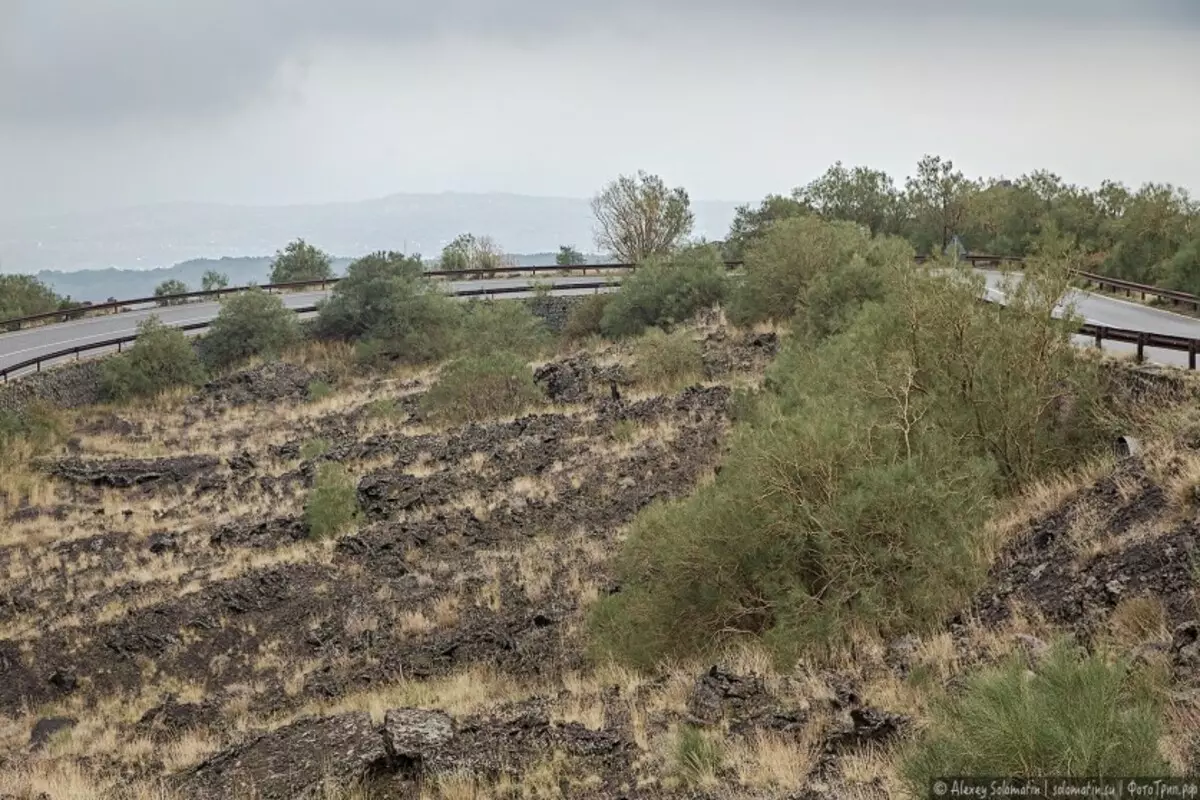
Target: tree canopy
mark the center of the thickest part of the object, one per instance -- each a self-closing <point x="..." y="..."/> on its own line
<point x="1145" y="234"/>
<point x="638" y="217"/>
<point x="301" y="261"/>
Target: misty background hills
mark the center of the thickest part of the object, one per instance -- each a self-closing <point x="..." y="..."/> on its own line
<point x="125" y="252"/>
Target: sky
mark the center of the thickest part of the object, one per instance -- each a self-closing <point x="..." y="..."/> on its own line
<point x="107" y="103"/>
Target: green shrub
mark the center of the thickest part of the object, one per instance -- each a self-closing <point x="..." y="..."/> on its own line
<point x="383" y="408"/>
<point x="834" y="296"/>
<point x="39" y="423"/>
<point x="856" y="485"/>
<point x="253" y="323"/>
<point x="1076" y="716"/>
<point x="300" y="261"/>
<point x="494" y="325"/>
<point x="585" y="317"/>
<point x="25" y="295"/>
<point x="386" y="300"/>
<point x="662" y="293"/>
<point x="482" y="387"/>
<point x="318" y="391"/>
<point x="624" y="431"/>
<point x="162" y="358"/>
<point x="332" y="504"/>
<point x="667" y="361"/>
<point x="314" y="448"/>
<point x="781" y="264"/>
<point x="698" y="755"/>
<point x="171" y="287"/>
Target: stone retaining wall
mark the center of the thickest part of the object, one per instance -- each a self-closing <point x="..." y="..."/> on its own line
<point x="67" y="386"/>
<point x="554" y="311"/>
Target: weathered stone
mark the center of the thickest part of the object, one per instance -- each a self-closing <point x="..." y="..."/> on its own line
<point x="291" y="763"/>
<point x="412" y="733"/>
<point x="127" y="472"/>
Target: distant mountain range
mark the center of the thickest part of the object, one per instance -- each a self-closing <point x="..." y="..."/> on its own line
<point x="162" y="235"/>
<point x="97" y="285"/>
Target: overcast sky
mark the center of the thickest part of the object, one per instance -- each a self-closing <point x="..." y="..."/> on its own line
<point x="112" y="102"/>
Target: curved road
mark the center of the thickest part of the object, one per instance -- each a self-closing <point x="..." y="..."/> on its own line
<point x="1097" y="309"/>
<point x="1112" y="312"/>
<point x="29" y="343"/>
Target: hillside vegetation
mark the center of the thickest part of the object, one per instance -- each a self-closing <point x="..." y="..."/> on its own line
<point x="825" y="525"/>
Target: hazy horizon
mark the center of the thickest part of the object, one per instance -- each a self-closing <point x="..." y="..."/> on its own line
<point x="241" y="102"/>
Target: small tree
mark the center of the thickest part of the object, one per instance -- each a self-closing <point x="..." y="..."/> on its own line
<point x="480" y="387"/>
<point x="162" y="358"/>
<point x="639" y="217"/>
<point x="214" y="280"/>
<point x="494" y="325"/>
<point x="568" y="257"/>
<point x="300" y="261"/>
<point x="250" y="324"/>
<point x="332" y="504"/>
<point x="475" y="253"/>
<point x="386" y="301"/>
<point x="666" y="292"/>
<point x="170" y="287"/>
<point x="25" y="295"/>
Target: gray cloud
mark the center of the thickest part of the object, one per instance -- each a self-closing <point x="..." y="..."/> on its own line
<point x="69" y="62"/>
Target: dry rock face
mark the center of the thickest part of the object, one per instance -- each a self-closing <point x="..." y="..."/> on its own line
<point x="293" y="763"/>
<point x="273" y="382"/>
<point x="126" y="473"/>
<point x="188" y="589"/>
<point x="1045" y="568"/>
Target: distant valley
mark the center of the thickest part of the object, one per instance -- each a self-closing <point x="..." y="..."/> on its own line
<point x="180" y="240"/>
<point x="97" y="285"/>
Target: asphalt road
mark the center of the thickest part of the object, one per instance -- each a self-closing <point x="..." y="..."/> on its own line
<point x="1115" y="313"/>
<point x="1098" y="309"/>
<point x="23" y="345"/>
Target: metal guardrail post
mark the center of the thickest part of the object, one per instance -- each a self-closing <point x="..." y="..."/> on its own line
<point x="1100" y="336"/>
<point x="1141" y="347"/>
<point x="1192" y="354"/>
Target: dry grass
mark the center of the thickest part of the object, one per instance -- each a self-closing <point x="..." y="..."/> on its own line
<point x="1138" y="621"/>
<point x="774" y="761"/>
<point x="1038" y="500"/>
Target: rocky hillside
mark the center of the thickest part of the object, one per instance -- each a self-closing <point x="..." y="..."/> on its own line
<point x="168" y="628"/>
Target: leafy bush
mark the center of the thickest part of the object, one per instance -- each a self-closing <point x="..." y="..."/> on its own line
<point x="25" y="295"/>
<point x="585" y="318"/>
<point x="667" y="361"/>
<point x="171" y="287"/>
<point x="332" y="504"/>
<point x="664" y="292"/>
<point x="314" y="448"/>
<point x="300" y="261"/>
<point x="318" y="391"/>
<point x="39" y="424"/>
<point x="781" y="264"/>
<point x="1076" y="716"/>
<point x="162" y="358"/>
<point x="482" y="387"/>
<point x="386" y="300"/>
<point x="834" y="296"/>
<point x="384" y="408"/>
<point x="698" y="755"/>
<point x="253" y="323"/>
<point x="853" y="492"/>
<point x="1182" y="271"/>
<point x="471" y="252"/>
<point x="491" y="326"/>
<point x="213" y="280"/>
